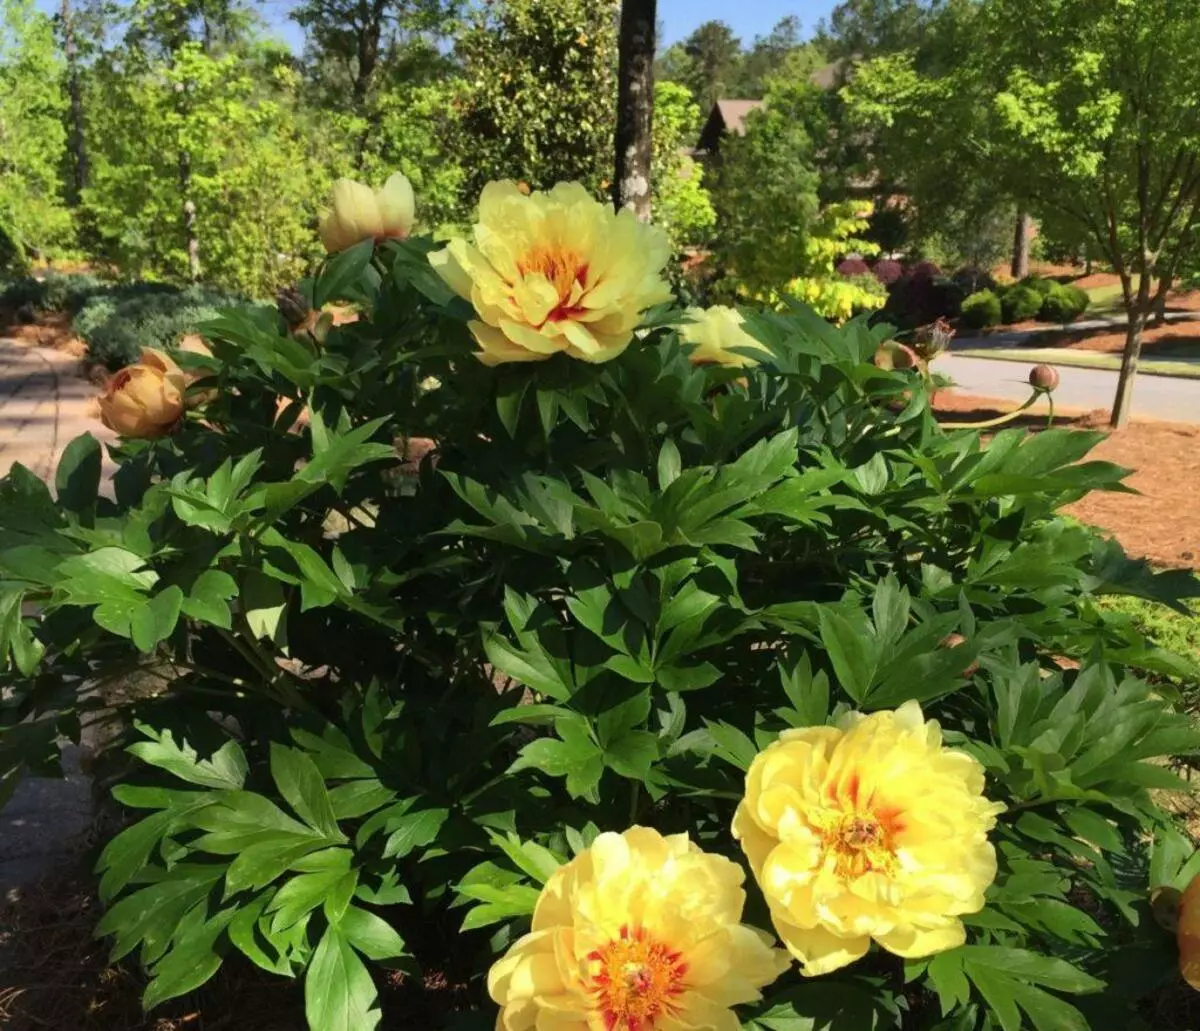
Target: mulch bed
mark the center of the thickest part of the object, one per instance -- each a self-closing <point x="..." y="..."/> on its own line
<point x="1159" y="523"/>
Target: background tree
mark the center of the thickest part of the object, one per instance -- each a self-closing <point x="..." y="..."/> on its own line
<point x="682" y="205"/>
<point x="708" y="63"/>
<point x="1097" y="119"/>
<point x="867" y="28"/>
<point x="541" y="100"/>
<point x="33" y="216"/>
<point x="635" y="107"/>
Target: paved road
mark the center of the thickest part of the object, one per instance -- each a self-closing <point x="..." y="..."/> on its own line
<point x="1019" y="337"/>
<point x="44" y="405"/>
<point x="1154" y="397"/>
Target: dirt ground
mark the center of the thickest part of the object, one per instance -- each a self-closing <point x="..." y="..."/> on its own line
<point x="1158" y="523"/>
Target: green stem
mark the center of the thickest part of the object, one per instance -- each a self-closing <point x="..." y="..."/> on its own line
<point x="989" y="423"/>
<point x="1050" y="416"/>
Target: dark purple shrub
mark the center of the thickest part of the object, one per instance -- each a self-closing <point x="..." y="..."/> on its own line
<point x="888" y="271"/>
<point x="925" y="270"/>
<point x="851" y="267"/>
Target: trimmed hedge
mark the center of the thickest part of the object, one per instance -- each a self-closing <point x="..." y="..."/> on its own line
<point x="1020" y="302"/>
<point x="982" y="309"/>
<point x="1064" y="304"/>
<point x="117" y="324"/>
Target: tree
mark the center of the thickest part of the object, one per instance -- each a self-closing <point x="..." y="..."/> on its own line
<point x="868" y="28"/>
<point x="254" y="188"/>
<point x="713" y="56"/>
<point x="635" y="108"/>
<point x="33" y="217"/>
<point x="768" y="57"/>
<point x="682" y="205"/>
<point x="541" y="92"/>
<point x="1097" y="119"/>
<point x="357" y="36"/>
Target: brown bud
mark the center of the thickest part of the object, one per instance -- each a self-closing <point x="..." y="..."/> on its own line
<point x="895" y="355"/>
<point x="293" y="306"/>
<point x="145" y="399"/>
<point x="954" y="641"/>
<point x="1044" y="378"/>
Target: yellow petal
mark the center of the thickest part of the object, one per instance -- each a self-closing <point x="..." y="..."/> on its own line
<point x="397" y="206"/>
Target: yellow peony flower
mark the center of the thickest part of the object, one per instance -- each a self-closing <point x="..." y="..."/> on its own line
<point x="555" y="272"/>
<point x="719" y="338"/>
<point x="867" y="830"/>
<point x="1188" y="933"/>
<point x="144" y="399"/>
<point x="638" y="933"/>
<point x="360" y="213"/>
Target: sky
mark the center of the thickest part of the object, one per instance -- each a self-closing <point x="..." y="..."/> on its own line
<point x="747" y="18"/>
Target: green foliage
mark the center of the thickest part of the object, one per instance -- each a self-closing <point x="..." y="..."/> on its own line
<point x="982" y="309"/>
<point x="392" y="700"/>
<point x="255" y="190"/>
<point x="118" y="321"/>
<point x="1063" y="303"/>
<point x="1021" y="302"/>
<point x="681" y="203"/>
<point x="541" y="106"/>
<point x="33" y="217"/>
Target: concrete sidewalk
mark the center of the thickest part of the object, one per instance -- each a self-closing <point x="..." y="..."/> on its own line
<point x="44" y="405"/>
<point x="1154" y="397"/>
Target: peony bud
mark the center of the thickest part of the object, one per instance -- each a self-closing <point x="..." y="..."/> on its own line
<point x="293" y="306"/>
<point x="144" y="400"/>
<point x="956" y="640"/>
<point x="895" y="355"/>
<point x="360" y="213"/>
<point x="1044" y="378"/>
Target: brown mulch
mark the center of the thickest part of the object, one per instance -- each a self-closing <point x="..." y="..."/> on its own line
<point x="1158" y="523"/>
<point x="51" y="329"/>
<point x="55" y="974"/>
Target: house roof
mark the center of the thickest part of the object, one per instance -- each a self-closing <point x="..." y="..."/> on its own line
<point x="733" y="113"/>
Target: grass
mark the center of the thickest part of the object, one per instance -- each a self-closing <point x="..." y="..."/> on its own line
<point x="1106" y="300"/>
<point x="1083" y="360"/>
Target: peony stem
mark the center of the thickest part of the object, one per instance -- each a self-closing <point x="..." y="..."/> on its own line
<point x="998" y="421"/>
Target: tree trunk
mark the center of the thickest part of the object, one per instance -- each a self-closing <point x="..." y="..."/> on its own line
<point x="79" y="171"/>
<point x="1160" y="303"/>
<point x="1020" y="254"/>
<point x="189" y="216"/>
<point x="1123" y="405"/>
<point x="1137" y="306"/>
<point x="635" y="108"/>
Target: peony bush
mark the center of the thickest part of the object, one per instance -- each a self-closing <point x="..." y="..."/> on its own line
<point x="595" y="663"/>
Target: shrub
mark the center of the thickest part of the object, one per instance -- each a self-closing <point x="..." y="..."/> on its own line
<point x="1039" y="284"/>
<point x="25" y="292"/>
<point x="117" y="323"/>
<point x="1064" y="304"/>
<point x="1020" y="302"/>
<point x="925" y="270"/>
<point x="971" y="280"/>
<point x="919" y="298"/>
<point x="68" y="292"/>
<point x="887" y="271"/>
<point x="392" y="699"/>
<point x="982" y="309"/>
<point x="851" y="268"/>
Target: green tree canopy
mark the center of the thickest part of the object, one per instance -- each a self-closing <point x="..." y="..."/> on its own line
<point x="33" y="216"/>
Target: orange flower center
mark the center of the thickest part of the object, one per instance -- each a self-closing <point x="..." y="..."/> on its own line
<point x="637" y="980"/>
<point x="565" y="271"/>
<point x="860" y="842"/>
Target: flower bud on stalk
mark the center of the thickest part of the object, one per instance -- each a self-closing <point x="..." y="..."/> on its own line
<point x="1044" y="379"/>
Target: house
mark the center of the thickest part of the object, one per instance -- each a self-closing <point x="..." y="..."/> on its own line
<point x="729" y="116"/>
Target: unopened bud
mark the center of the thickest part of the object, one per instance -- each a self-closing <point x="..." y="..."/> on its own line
<point x="956" y="640"/>
<point x="1043" y="378"/>
<point x="895" y="355"/>
<point x="293" y="306"/>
